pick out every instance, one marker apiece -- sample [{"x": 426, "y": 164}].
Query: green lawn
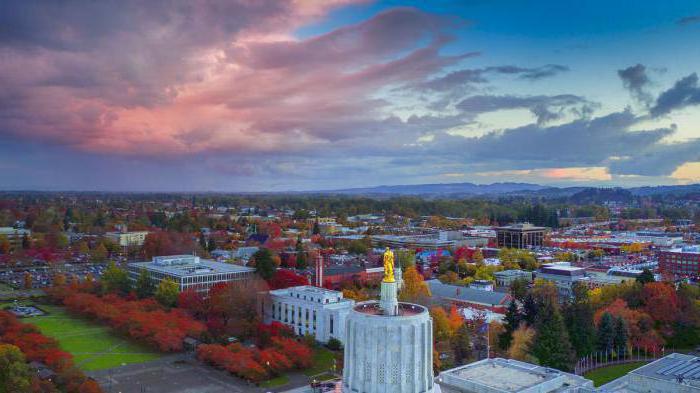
[
  {"x": 93, "y": 346},
  {"x": 275, "y": 382},
  {"x": 5, "y": 288},
  {"x": 323, "y": 361},
  {"x": 601, "y": 376}
]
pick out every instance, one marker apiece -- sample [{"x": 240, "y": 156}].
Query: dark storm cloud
[
  {"x": 685, "y": 92},
  {"x": 635, "y": 79},
  {"x": 545, "y": 108}
]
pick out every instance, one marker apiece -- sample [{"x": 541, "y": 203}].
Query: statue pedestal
[{"x": 388, "y": 300}]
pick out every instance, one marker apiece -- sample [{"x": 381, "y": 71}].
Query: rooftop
[
  {"x": 188, "y": 265},
  {"x": 507, "y": 375},
  {"x": 405, "y": 309},
  {"x": 467, "y": 294}
]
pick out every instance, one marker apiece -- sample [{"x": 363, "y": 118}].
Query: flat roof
[
  {"x": 508, "y": 375},
  {"x": 204, "y": 266},
  {"x": 674, "y": 367}
]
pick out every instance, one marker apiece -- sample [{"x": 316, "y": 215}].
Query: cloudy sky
[{"x": 252, "y": 95}]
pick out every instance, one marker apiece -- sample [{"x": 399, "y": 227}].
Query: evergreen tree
[
  {"x": 512, "y": 319},
  {"x": 530, "y": 310},
  {"x": 301, "y": 255},
  {"x": 578, "y": 316},
  {"x": 462, "y": 344},
  {"x": 26, "y": 242},
  {"x": 551, "y": 345},
  {"x": 620, "y": 337},
  {"x": 144, "y": 286},
  {"x": 202, "y": 241},
  {"x": 211, "y": 245},
  {"x": 606, "y": 332},
  {"x": 264, "y": 265},
  {"x": 646, "y": 277},
  {"x": 317, "y": 229}
]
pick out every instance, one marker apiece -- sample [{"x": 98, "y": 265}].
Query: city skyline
[{"x": 279, "y": 96}]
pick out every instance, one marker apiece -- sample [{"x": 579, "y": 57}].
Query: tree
[
  {"x": 606, "y": 332},
  {"x": 316, "y": 230},
  {"x": 551, "y": 345},
  {"x": 301, "y": 262},
  {"x": 202, "y": 241},
  {"x": 646, "y": 277},
  {"x": 99, "y": 254},
  {"x": 144, "y": 285},
  {"x": 115, "y": 280},
  {"x": 529, "y": 309},
  {"x": 462, "y": 344},
  {"x": 578, "y": 315},
  {"x": 4, "y": 245},
  {"x": 441, "y": 324},
  {"x": 414, "y": 290},
  {"x": 26, "y": 242},
  {"x": 358, "y": 247},
  {"x": 620, "y": 337},
  {"x": 512, "y": 322},
  {"x": 211, "y": 244},
  {"x": 167, "y": 292},
  {"x": 521, "y": 344},
  {"x": 478, "y": 257},
  {"x": 264, "y": 265},
  {"x": 27, "y": 280},
  {"x": 15, "y": 375},
  {"x": 89, "y": 386},
  {"x": 518, "y": 289}
]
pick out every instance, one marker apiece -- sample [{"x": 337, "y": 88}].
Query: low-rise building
[
  {"x": 469, "y": 297},
  {"x": 681, "y": 261},
  {"x": 507, "y": 375},
  {"x": 190, "y": 272},
  {"x": 564, "y": 276},
  {"x": 506, "y": 277},
  {"x": 15, "y": 235},
  {"x": 127, "y": 239},
  {"x": 309, "y": 310}
]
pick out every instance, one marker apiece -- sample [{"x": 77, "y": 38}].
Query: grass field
[
  {"x": 93, "y": 346},
  {"x": 323, "y": 361},
  {"x": 601, "y": 376}
]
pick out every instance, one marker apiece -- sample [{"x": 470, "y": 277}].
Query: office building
[
  {"x": 681, "y": 261},
  {"x": 127, "y": 239},
  {"x": 564, "y": 276},
  {"x": 15, "y": 235},
  {"x": 190, "y": 272},
  {"x": 522, "y": 235}
]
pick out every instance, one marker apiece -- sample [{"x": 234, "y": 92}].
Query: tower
[{"x": 388, "y": 344}]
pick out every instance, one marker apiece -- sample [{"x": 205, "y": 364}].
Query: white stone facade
[
  {"x": 388, "y": 353},
  {"x": 309, "y": 310}
]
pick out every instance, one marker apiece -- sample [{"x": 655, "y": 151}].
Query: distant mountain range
[{"x": 498, "y": 189}]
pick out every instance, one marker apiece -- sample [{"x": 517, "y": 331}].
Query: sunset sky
[{"x": 302, "y": 95}]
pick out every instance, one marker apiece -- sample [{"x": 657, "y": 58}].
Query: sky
[{"x": 239, "y": 96}]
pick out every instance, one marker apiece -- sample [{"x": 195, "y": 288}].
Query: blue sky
[{"x": 221, "y": 96}]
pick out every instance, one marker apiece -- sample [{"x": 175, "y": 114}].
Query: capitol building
[{"x": 389, "y": 344}]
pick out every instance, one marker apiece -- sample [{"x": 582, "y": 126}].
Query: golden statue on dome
[{"x": 388, "y": 265}]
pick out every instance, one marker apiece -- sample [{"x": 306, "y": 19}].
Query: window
[{"x": 331, "y": 324}]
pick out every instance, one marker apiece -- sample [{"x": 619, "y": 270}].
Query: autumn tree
[
  {"x": 166, "y": 293},
  {"x": 415, "y": 289},
  {"x": 28, "y": 280},
  {"x": 99, "y": 254},
  {"x": 521, "y": 344},
  {"x": 4, "y": 245},
  {"x": 441, "y": 324},
  {"x": 15, "y": 375},
  {"x": 264, "y": 264},
  {"x": 620, "y": 337}
]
